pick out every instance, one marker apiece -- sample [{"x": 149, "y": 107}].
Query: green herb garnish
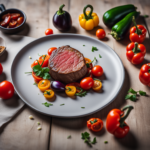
[
  {"x": 83, "y": 107},
  {"x": 35, "y": 84},
  {"x": 88, "y": 64},
  {"x": 94, "y": 141},
  {"x": 81, "y": 93},
  {"x": 131, "y": 97},
  {"x": 96, "y": 79},
  {"x": 62, "y": 104},
  {"x": 93, "y": 121},
  {"x": 47, "y": 104},
  {"x": 106, "y": 142},
  {"x": 94, "y": 49},
  {"x": 142, "y": 93},
  {"x": 68, "y": 137},
  {"x": 83, "y": 45},
  {"x": 27, "y": 72},
  {"x": 38, "y": 123},
  {"x": 68, "y": 88},
  {"x": 146, "y": 16},
  {"x": 47, "y": 92},
  {"x": 132, "y": 91},
  {"x": 100, "y": 56}
]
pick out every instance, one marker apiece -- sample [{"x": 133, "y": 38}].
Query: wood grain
[{"x": 21, "y": 132}]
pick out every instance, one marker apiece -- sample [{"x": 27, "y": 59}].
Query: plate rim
[{"x": 75, "y": 116}]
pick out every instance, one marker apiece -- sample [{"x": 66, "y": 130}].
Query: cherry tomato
[
  {"x": 76, "y": 84},
  {"x": 97, "y": 85},
  {"x": 97, "y": 71},
  {"x": 100, "y": 33},
  {"x": 6, "y": 90},
  {"x": 6, "y": 21},
  {"x": 48, "y": 31},
  {"x": 87, "y": 83},
  {"x": 1, "y": 68},
  {"x": 48, "y": 94},
  {"x": 50, "y": 50},
  {"x": 44, "y": 85},
  {"x": 20, "y": 20},
  {"x": 15, "y": 16},
  {"x": 36, "y": 78},
  {"x": 12, "y": 23}
]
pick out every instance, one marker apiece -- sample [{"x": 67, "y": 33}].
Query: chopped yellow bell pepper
[
  {"x": 70, "y": 90},
  {"x": 49, "y": 94},
  {"x": 88, "y": 20},
  {"x": 97, "y": 85}
]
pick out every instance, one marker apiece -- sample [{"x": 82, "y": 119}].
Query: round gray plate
[{"x": 112, "y": 79}]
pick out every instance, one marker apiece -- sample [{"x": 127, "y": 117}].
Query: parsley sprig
[
  {"x": 133, "y": 96},
  {"x": 81, "y": 93},
  {"x": 94, "y": 49},
  {"x": 88, "y": 64},
  {"x": 47, "y": 104}
]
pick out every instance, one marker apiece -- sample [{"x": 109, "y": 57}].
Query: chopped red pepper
[{"x": 115, "y": 122}]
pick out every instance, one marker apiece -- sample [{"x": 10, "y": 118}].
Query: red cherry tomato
[
  {"x": 50, "y": 50},
  {"x": 12, "y": 23},
  {"x": 20, "y": 20},
  {"x": 36, "y": 78},
  {"x": 1, "y": 68},
  {"x": 87, "y": 83},
  {"x": 6, "y": 21},
  {"x": 100, "y": 33},
  {"x": 6, "y": 90},
  {"x": 15, "y": 16},
  {"x": 97, "y": 71},
  {"x": 48, "y": 31}
]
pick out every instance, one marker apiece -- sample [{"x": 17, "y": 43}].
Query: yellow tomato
[
  {"x": 44, "y": 85},
  {"x": 70, "y": 90},
  {"x": 97, "y": 85},
  {"x": 87, "y": 60},
  {"x": 49, "y": 94}
]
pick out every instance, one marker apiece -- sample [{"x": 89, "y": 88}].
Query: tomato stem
[
  {"x": 122, "y": 119},
  {"x": 138, "y": 31},
  {"x": 89, "y": 16}
]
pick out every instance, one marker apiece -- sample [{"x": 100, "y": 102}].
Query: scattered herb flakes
[
  {"x": 94, "y": 49},
  {"x": 131, "y": 97},
  {"x": 35, "y": 84},
  {"x": 94, "y": 141},
  {"x": 69, "y": 137},
  {"x": 132, "y": 91},
  {"x": 83, "y": 45},
  {"x": 146, "y": 16},
  {"x": 100, "y": 56},
  {"x": 47, "y": 104},
  {"x": 142, "y": 93},
  {"x": 105, "y": 142},
  {"x": 62, "y": 104},
  {"x": 82, "y": 107}
]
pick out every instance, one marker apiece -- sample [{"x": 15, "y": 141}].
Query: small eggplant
[
  {"x": 57, "y": 86},
  {"x": 62, "y": 19}
]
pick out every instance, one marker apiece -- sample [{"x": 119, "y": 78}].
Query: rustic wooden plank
[
  {"x": 21, "y": 132},
  {"x": 61, "y": 128}
]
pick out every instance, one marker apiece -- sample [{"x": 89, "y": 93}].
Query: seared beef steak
[{"x": 67, "y": 64}]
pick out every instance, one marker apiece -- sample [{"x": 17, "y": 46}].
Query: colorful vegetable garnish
[
  {"x": 62, "y": 19},
  {"x": 120, "y": 29},
  {"x": 6, "y": 90},
  {"x": 114, "y": 15},
  {"x": 115, "y": 122},
  {"x": 88, "y": 20},
  {"x": 137, "y": 33},
  {"x": 94, "y": 49},
  {"x": 144, "y": 74},
  {"x": 49, "y": 94},
  {"x": 1, "y": 68},
  {"x": 48, "y": 31},
  {"x": 36, "y": 78},
  {"x": 100, "y": 33},
  {"x": 70, "y": 90},
  {"x": 44, "y": 85},
  {"x": 97, "y": 71},
  {"x": 97, "y": 85},
  {"x": 58, "y": 86},
  {"x": 95, "y": 124},
  {"x": 50, "y": 50},
  {"x": 87, "y": 83},
  {"x": 135, "y": 53}
]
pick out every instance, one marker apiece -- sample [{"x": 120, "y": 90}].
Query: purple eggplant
[
  {"x": 62, "y": 19},
  {"x": 57, "y": 86}
]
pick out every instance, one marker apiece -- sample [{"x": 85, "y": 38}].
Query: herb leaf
[
  {"x": 69, "y": 137},
  {"x": 142, "y": 93},
  {"x": 83, "y": 45},
  {"x": 146, "y": 16},
  {"x": 96, "y": 79},
  {"x": 35, "y": 84},
  {"x": 47, "y": 104},
  {"x": 94, "y": 141},
  {"x": 85, "y": 135},
  {"x": 106, "y": 142},
  {"x": 83, "y": 107},
  {"x": 132, "y": 91},
  {"x": 62, "y": 104},
  {"x": 100, "y": 56},
  {"x": 46, "y": 76},
  {"x": 81, "y": 93},
  {"x": 94, "y": 49},
  {"x": 131, "y": 97}
]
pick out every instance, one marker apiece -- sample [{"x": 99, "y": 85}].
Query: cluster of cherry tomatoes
[{"x": 6, "y": 87}]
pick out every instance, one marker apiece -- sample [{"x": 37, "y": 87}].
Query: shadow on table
[{"x": 129, "y": 141}]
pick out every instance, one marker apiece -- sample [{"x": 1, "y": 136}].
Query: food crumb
[
  {"x": 39, "y": 128},
  {"x": 31, "y": 117},
  {"x": 2, "y": 48},
  {"x": 38, "y": 123},
  {"x": 30, "y": 57}
]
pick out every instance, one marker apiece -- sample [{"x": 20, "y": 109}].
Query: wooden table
[{"x": 22, "y": 134}]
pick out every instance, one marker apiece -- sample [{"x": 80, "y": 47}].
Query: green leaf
[
  {"x": 131, "y": 97},
  {"x": 145, "y": 16},
  {"x": 46, "y": 76},
  {"x": 37, "y": 68},
  {"x": 94, "y": 141},
  {"x": 83, "y": 45},
  {"x": 62, "y": 104},
  {"x": 45, "y": 70},
  {"x": 94, "y": 49},
  {"x": 68, "y": 88},
  {"x": 47, "y": 104},
  {"x": 85, "y": 135},
  {"x": 83, "y": 107},
  {"x": 96, "y": 79},
  {"x": 100, "y": 56},
  {"x": 38, "y": 73},
  {"x": 35, "y": 84},
  {"x": 68, "y": 137},
  {"x": 106, "y": 142},
  {"x": 93, "y": 121},
  {"x": 142, "y": 93},
  {"x": 132, "y": 91},
  {"x": 87, "y": 64}
]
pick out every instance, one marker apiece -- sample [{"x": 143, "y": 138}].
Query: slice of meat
[{"x": 67, "y": 65}]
